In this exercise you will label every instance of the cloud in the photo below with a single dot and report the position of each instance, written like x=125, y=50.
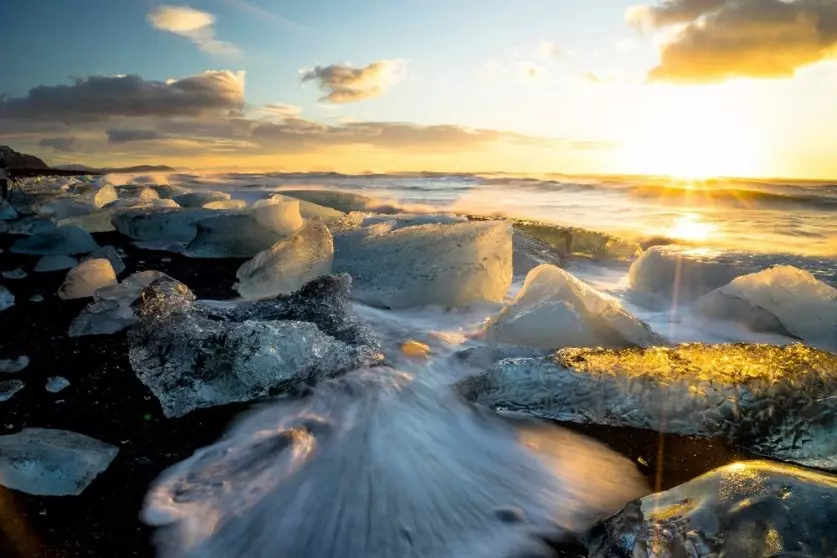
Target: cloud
x=725, y=39
x=116, y=135
x=548, y=50
x=103, y=97
x=263, y=14
x=58, y=144
x=594, y=77
x=281, y=110
x=530, y=70
x=193, y=24
x=346, y=84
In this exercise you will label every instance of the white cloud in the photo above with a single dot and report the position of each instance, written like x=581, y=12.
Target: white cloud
x=346, y=84
x=548, y=50
x=193, y=24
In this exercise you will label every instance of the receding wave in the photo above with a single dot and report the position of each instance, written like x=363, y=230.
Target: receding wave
x=732, y=196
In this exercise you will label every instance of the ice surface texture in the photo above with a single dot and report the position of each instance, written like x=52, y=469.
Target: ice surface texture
x=192, y=355
x=449, y=265
x=62, y=241
x=774, y=401
x=86, y=278
x=288, y=264
x=371, y=465
x=752, y=508
x=783, y=300
x=556, y=310
x=52, y=462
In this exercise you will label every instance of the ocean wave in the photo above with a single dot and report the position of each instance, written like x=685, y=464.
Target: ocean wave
x=740, y=197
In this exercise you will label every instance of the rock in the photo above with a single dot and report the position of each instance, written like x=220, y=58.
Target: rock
x=199, y=199
x=192, y=356
x=63, y=241
x=402, y=220
x=555, y=310
x=111, y=312
x=341, y=201
x=288, y=264
x=7, y=299
x=110, y=254
x=685, y=273
x=229, y=205
x=8, y=389
x=449, y=265
x=57, y=383
x=31, y=225
x=55, y=263
x=751, y=508
x=7, y=212
x=231, y=236
x=14, y=365
x=307, y=210
x=783, y=300
x=281, y=217
x=14, y=274
x=160, y=225
x=48, y=462
x=389, y=468
x=86, y=278
x=772, y=401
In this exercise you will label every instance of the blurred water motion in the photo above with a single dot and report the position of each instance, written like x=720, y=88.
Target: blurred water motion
x=374, y=465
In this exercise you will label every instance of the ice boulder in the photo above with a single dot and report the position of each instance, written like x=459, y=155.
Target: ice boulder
x=7, y=299
x=282, y=217
x=200, y=199
x=773, y=401
x=233, y=236
x=55, y=263
x=783, y=300
x=228, y=205
x=55, y=384
x=8, y=389
x=289, y=264
x=7, y=212
x=14, y=365
x=307, y=209
x=160, y=225
x=48, y=462
x=341, y=201
x=449, y=265
x=94, y=222
x=556, y=310
x=682, y=273
x=111, y=312
x=193, y=356
x=110, y=254
x=750, y=508
x=62, y=208
x=86, y=278
x=385, y=467
x=67, y=240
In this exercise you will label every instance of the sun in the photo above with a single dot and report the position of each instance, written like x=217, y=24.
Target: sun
x=695, y=134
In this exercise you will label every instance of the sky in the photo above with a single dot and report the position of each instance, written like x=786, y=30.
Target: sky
x=691, y=88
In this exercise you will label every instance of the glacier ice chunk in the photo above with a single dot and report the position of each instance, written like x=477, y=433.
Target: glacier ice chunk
x=782, y=299
x=18, y=273
x=14, y=365
x=374, y=465
x=341, y=201
x=556, y=310
x=232, y=236
x=200, y=199
x=774, y=401
x=168, y=191
x=191, y=356
x=8, y=389
x=307, y=209
x=160, y=225
x=229, y=205
x=7, y=212
x=86, y=278
x=749, y=508
x=412, y=219
x=289, y=264
x=449, y=265
x=31, y=225
x=100, y=197
x=110, y=254
x=63, y=241
x=57, y=383
x=686, y=274
x=111, y=311
x=7, y=299
x=96, y=221
x=282, y=217
x=47, y=462
x=55, y=263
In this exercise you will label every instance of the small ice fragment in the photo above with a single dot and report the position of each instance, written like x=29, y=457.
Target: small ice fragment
x=36, y=298
x=7, y=391
x=15, y=274
x=56, y=383
x=109, y=253
x=14, y=365
x=86, y=278
x=55, y=263
x=7, y=299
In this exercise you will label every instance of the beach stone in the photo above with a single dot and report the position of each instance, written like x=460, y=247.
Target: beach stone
x=750, y=508
x=55, y=263
x=192, y=355
x=86, y=278
x=68, y=240
x=47, y=462
x=772, y=401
